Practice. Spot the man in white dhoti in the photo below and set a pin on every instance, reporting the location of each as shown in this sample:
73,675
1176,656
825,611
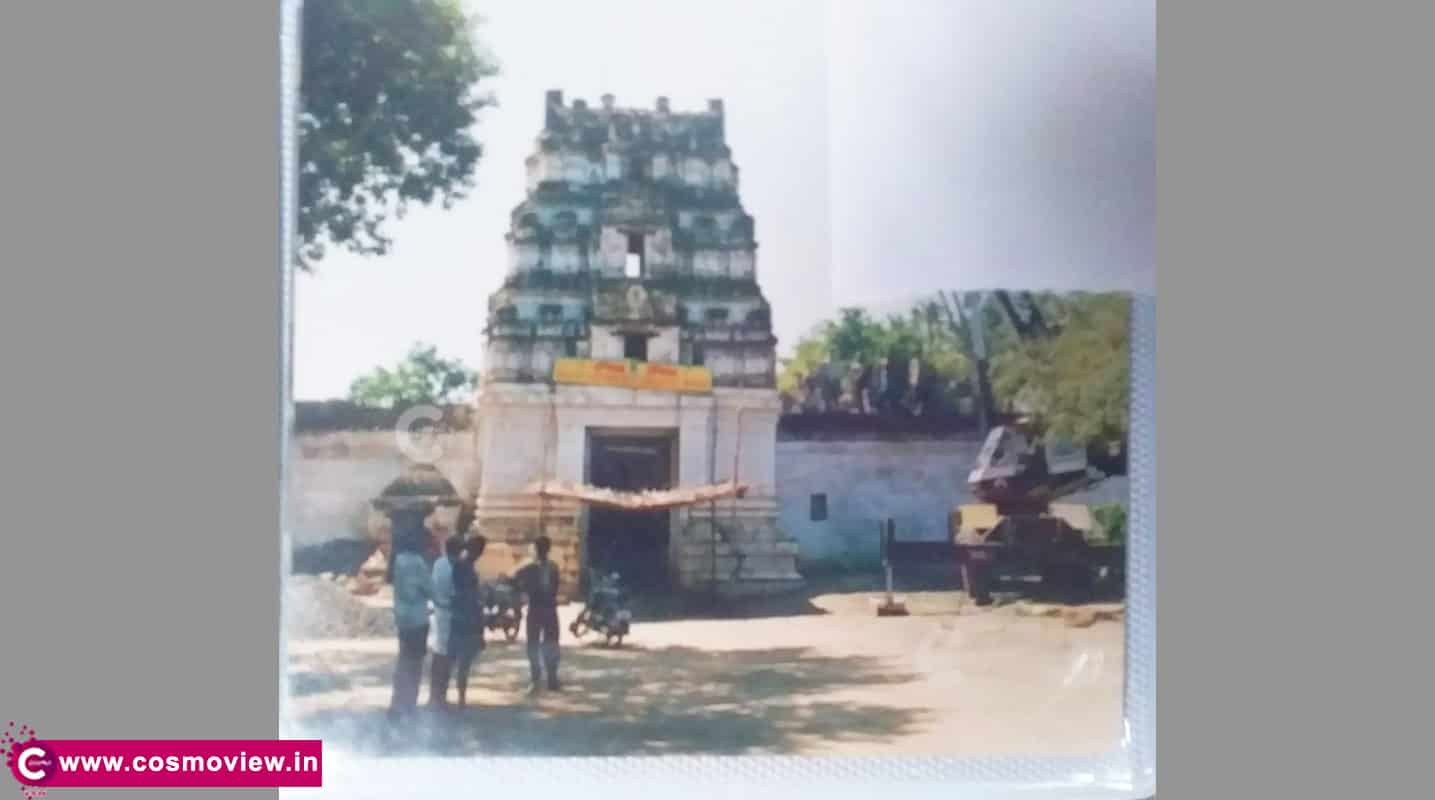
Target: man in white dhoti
442,624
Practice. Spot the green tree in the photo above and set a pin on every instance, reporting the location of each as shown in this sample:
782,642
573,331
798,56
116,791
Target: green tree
390,97
1111,517
855,335
1076,384
811,351
422,377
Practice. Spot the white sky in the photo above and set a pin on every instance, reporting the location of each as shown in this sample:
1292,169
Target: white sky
887,149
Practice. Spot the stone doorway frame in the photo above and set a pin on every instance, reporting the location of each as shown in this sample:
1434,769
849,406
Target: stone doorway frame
672,435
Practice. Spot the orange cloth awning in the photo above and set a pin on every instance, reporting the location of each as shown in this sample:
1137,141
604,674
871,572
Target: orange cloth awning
651,500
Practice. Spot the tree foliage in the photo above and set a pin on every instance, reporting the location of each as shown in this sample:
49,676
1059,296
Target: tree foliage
422,377
1111,517
810,353
1075,385
856,336
390,96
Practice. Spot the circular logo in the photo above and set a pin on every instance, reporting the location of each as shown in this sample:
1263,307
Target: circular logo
422,447
34,763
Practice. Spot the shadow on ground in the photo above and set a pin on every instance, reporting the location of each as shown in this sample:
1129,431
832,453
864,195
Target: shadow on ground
629,701
801,602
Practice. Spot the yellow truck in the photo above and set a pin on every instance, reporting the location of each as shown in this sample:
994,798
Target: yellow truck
1020,532
1058,550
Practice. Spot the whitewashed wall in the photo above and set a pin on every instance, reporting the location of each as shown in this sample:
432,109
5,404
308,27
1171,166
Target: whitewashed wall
607,343
915,483
519,420
336,474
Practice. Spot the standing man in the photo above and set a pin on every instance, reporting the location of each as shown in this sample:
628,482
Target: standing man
413,588
441,630
538,581
466,639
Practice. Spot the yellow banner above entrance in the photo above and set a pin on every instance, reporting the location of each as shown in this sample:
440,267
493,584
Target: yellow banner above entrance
633,375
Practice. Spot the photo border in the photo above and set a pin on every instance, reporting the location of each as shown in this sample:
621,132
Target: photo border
1126,772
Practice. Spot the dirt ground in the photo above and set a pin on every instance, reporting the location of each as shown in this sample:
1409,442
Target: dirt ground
819,674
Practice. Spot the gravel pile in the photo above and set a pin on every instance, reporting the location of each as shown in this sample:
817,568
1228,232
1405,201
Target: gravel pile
315,608
340,556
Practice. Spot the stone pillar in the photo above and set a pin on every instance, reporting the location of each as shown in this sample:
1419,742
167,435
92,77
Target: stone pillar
735,547
512,522
523,439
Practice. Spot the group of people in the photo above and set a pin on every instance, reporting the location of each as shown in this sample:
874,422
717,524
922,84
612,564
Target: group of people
439,612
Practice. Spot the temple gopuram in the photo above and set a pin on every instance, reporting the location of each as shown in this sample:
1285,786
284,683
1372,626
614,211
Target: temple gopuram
629,407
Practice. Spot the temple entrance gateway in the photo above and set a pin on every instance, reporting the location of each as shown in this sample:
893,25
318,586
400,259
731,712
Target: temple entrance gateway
632,312
631,542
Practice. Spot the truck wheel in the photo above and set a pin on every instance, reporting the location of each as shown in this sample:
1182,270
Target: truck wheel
510,631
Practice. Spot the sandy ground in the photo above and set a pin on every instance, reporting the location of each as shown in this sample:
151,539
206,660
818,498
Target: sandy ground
825,678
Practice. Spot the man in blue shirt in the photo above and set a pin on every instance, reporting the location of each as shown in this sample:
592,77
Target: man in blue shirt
413,589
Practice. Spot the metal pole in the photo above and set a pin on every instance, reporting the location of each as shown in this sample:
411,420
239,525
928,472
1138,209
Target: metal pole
712,505
890,607
986,405
887,560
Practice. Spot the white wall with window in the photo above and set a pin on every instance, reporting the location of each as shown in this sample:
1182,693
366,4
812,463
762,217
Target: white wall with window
696,172
615,248
576,169
709,263
722,173
740,264
567,258
610,343
523,256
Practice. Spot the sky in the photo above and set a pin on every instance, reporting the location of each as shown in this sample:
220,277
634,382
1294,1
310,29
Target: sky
887,150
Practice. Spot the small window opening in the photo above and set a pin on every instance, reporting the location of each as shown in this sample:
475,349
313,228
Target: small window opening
635,347
570,348
633,267
819,507
716,315
698,355
550,313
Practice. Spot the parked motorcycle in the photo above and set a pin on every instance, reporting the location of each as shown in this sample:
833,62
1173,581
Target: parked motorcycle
606,611
502,607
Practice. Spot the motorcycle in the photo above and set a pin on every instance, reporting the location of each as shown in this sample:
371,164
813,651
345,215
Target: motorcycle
502,607
606,611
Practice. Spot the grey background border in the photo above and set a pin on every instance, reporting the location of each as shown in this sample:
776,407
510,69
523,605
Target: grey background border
137,301
140,326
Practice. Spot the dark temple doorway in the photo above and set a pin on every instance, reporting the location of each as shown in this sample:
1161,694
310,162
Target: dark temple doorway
632,543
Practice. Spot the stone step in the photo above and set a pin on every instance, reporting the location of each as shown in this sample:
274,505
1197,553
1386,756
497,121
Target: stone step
755,587
703,568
